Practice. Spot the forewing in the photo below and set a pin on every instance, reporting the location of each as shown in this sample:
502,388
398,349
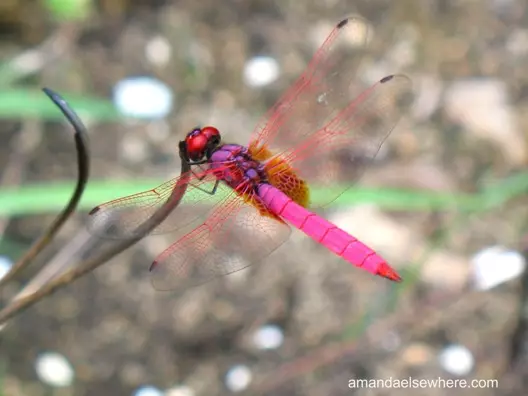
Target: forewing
120,218
320,93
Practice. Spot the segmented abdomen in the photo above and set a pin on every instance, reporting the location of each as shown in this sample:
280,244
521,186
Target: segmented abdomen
334,238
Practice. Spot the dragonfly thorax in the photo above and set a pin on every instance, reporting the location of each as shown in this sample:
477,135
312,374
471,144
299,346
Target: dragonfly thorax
235,165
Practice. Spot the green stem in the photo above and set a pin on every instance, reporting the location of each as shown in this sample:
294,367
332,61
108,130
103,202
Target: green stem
48,197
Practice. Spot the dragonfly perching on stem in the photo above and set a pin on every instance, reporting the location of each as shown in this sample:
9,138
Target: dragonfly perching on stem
253,192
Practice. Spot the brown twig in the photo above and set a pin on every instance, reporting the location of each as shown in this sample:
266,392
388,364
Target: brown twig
83,169
89,265
77,246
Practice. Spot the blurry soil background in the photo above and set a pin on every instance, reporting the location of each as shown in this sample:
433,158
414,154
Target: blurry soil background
469,64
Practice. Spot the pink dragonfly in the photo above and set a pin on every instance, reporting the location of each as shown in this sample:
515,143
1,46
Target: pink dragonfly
245,196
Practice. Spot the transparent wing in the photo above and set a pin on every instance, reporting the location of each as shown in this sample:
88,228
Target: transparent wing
120,218
353,138
319,94
236,234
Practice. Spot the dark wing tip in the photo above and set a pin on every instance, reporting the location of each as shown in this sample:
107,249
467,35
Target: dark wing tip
94,210
387,78
153,265
342,23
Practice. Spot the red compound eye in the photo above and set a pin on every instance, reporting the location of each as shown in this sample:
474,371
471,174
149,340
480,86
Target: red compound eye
196,145
210,131
199,141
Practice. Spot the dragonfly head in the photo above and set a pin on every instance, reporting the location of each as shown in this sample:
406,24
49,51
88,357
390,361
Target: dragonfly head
200,143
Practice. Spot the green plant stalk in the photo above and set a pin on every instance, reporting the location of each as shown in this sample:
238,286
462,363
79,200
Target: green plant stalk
49,197
69,10
19,103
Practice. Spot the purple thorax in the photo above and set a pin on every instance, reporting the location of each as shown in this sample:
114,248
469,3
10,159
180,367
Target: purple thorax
242,168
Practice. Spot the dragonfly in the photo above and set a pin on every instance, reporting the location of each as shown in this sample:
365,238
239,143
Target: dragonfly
246,198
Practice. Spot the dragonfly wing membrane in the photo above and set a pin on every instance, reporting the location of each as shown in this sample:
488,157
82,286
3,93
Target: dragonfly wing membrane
319,93
336,155
235,236
122,218
327,121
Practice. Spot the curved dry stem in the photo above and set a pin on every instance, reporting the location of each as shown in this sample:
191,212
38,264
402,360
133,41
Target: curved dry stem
83,166
89,265
86,266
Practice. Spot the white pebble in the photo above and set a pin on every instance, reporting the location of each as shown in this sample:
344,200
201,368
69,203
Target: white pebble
143,97
5,265
238,378
457,360
268,337
54,369
147,390
260,71
158,51
495,265
180,390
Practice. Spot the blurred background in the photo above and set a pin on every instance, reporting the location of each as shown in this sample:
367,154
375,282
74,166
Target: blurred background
445,203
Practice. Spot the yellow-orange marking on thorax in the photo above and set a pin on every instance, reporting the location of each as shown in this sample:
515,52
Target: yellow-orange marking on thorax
282,175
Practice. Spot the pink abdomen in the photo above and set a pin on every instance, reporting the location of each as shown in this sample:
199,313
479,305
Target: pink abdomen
338,241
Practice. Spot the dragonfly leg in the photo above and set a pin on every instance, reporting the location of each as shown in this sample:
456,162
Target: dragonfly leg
212,192
198,175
